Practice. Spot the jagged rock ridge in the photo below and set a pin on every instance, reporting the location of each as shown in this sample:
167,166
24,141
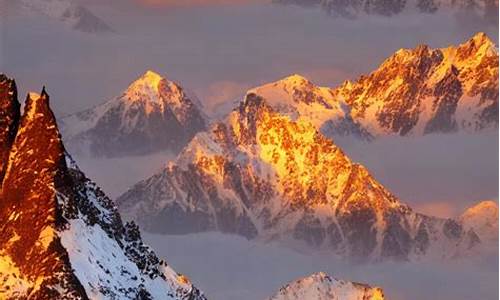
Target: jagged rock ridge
320,286
261,175
60,236
414,92
153,114
424,90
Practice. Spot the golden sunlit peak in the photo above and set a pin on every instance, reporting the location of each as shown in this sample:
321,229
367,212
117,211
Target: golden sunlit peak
151,77
295,78
33,95
481,37
146,85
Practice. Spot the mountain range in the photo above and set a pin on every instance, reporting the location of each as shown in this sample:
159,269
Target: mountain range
413,92
355,9
262,175
61,237
152,114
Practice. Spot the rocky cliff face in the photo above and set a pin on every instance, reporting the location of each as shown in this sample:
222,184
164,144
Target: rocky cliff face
9,119
261,175
153,114
426,90
60,236
320,286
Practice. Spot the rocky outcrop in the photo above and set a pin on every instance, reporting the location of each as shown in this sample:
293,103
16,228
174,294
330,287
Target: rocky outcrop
9,119
60,236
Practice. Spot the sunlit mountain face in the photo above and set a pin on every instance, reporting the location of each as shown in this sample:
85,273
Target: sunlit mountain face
264,149
62,237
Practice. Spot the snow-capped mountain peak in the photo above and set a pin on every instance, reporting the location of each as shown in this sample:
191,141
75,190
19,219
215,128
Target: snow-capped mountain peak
483,219
320,286
299,98
146,87
293,91
152,114
261,174
423,90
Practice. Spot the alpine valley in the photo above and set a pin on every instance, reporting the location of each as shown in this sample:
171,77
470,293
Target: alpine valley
61,237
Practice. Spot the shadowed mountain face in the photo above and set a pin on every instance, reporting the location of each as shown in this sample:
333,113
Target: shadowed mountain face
61,237
153,114
261,175
320,286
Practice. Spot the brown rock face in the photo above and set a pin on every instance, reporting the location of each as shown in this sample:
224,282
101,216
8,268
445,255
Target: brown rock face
9,119
29,212
56,226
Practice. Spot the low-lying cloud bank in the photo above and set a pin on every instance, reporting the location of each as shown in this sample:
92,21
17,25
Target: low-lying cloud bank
229,267
440,174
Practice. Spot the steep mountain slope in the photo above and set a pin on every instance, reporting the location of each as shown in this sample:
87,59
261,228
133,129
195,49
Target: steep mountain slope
298,97
483,219
9,119
76,16
426,90
153,114
414,92
60,236
261,175
355,9
320,286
